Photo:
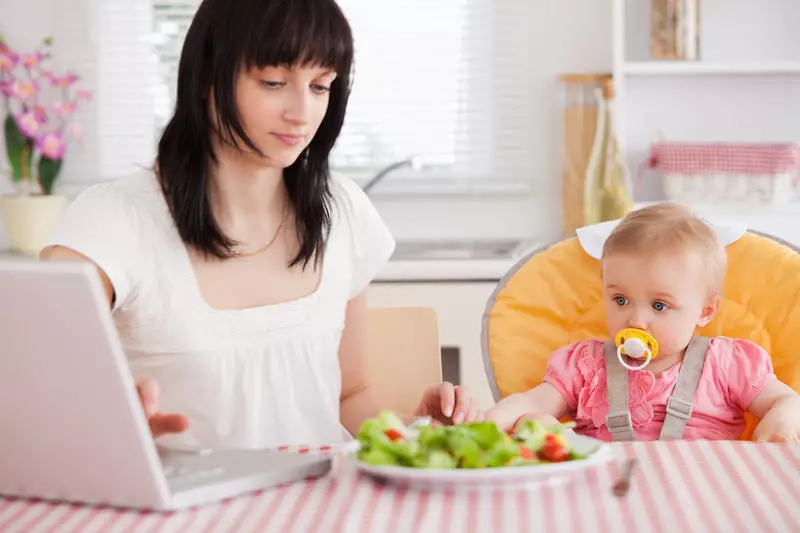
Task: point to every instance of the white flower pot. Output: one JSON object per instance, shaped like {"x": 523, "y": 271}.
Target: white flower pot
{"x": 30, "y": 220}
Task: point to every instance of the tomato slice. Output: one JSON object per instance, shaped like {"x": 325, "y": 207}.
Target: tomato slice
{"x": 393, "y": 434}
{"x": 526, "y": 453}
{"x": 553, "y": 449}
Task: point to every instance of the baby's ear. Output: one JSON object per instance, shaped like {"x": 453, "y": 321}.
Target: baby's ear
{"x": 709, "y": 310}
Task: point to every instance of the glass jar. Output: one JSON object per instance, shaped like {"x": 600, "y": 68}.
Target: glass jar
{"x": 579, "y": 124}
{"x": 675, "y": 30}
{"x": 608, "y": 193}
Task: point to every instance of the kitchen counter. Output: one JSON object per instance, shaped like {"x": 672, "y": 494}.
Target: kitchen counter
{"x": 445, "y": 270}
{"x": 444, "y": 261}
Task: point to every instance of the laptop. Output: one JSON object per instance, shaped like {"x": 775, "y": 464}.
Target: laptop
{"x": 71, "y": 425}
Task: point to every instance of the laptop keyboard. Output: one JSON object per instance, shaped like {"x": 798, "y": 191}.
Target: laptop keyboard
{"x": 190, "y": 466}
{"x": 191, "y": 473}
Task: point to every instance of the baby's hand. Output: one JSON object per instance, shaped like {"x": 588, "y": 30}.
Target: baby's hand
{"x": 777, "y": 431}
{"x": 504, "y": 418}
{"x": 543, "y": 403}
{"x": 780, "y": 424}
{"x": 545, "y": 419}
{"x": 508, "y": 420}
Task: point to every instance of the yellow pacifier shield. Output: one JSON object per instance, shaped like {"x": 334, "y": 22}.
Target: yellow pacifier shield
{"x": 634, "y": 333}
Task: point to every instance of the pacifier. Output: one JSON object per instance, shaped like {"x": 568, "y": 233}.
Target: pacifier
{"x": 636, "y": 344}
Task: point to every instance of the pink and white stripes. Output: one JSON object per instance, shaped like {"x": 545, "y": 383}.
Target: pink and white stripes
{"x": 677, "y": 486}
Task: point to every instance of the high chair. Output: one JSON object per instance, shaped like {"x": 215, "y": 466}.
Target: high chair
{"x": 403, "y": 355}
{"x": 553, "y": 296}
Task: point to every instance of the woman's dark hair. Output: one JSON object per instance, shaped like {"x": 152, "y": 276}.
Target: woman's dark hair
{"x": 225, "y": 36}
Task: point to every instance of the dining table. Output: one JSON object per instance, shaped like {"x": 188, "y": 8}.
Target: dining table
{"x": 686, "y": 486}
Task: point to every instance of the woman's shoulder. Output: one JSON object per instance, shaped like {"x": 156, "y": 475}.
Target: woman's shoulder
{"x": 350, "y": 204}
{"x": 355, "y": 217}
{"x": 133, "y": 191}
{"x": 349, "y": 200}
{"x": 109, "y": 223}
{"x": 111, "y": 207}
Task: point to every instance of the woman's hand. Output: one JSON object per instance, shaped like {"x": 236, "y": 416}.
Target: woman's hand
{"x": 160, "y": 423}
{"x": 448, "y": 404}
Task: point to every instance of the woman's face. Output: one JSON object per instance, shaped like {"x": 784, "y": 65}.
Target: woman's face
{"x": 281, "y": 108}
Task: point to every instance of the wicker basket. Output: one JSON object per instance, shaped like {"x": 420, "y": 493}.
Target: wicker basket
{"x": 706, "y": 173}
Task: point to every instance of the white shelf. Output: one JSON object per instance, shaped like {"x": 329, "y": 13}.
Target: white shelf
{"x": 791, "y": 209}
{"x": 700, "y": 68}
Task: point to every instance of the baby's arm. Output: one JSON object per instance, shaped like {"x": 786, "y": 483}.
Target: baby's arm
{"x": 778, "y": 407}
{"x": 543, "y": 400}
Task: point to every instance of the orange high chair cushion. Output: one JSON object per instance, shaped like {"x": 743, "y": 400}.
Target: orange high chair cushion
{"x": 553, "y": 297}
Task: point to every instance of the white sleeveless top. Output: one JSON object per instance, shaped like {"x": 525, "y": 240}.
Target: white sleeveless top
{"x": 251, "y": 378}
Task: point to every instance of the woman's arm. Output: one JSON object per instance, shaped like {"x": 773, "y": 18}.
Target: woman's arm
{"x": 357, "y": 402}
{"x": 160, "y": 423}
{"x": 62, "y": 253}
{"x": 443, "y": 402}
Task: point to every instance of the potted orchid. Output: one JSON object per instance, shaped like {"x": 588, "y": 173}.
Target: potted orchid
{"x": 39, "y": 117}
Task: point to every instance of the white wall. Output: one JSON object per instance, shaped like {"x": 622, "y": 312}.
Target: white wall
{"x": 562, "y": 35}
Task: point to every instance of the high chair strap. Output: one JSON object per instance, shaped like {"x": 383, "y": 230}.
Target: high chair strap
{"x": 618, "y": 419}
{"x": 679, "y": 405}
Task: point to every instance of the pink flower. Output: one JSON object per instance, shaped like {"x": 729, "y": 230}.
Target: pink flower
{"x": 32, "y": 60}
{"x": 51, "y": 145}
{"x": 64, "y": 108}
{"x": 29, "y": 123}
{"x": 24, "y": 90}
{"x": 49, "y": 76}
{"x": 8, "y": 60}
{"x": 64, "y": 81}
{"x": 41, "y": 114}
{"x": 83, "y": 94}
{"x": 5, "y": 88}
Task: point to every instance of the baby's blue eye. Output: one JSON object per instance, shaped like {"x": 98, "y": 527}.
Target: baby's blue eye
{"x": 660, "y": 306}
{"x": 620, "y": 300}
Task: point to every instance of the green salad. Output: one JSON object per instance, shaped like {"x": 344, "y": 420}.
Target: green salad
{"x": 387, "y": 441}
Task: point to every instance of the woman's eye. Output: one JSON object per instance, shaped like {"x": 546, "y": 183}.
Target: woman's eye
{"x": 620, "y": 300}
{"x": 272, "y": 84}
{"x": 660, "y": 306}
{"x": 320, "y": 89}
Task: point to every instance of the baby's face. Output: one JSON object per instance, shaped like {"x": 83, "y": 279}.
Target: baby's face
{"x": 665, "y": 295}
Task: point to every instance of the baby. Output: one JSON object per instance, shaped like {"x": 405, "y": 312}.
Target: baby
{"x": 662, "y": 273}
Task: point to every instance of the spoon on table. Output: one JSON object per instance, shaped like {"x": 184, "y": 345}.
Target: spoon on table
{"x": 623, "y": 483}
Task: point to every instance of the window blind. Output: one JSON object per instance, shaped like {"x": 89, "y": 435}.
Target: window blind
{"x": 440, "y": 80}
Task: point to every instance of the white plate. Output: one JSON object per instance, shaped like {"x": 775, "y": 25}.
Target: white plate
{"x": 528, "y": 475}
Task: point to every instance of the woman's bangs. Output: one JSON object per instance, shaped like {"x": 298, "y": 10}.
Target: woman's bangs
{"x": 298, "y": 33}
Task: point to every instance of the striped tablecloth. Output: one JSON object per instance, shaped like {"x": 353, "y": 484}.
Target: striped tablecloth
{"x": 676, "y": 486}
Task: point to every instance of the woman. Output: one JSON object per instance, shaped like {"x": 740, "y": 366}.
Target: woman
{"x": 236, "y": 269}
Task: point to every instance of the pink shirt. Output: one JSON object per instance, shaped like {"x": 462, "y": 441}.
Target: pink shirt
{"x": 734, "y": 372}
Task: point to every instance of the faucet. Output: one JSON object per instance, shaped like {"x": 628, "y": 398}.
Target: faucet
{"x": 413, "y": 162}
